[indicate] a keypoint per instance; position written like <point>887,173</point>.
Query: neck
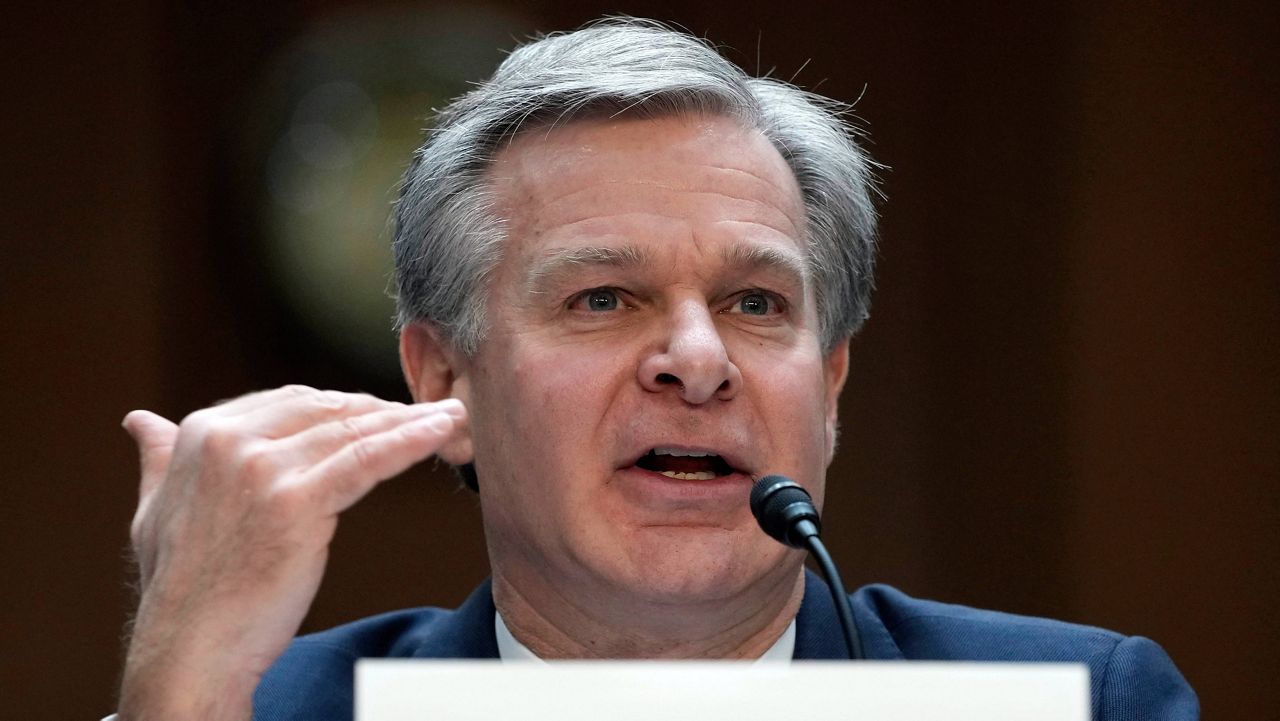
<point>556,625</point>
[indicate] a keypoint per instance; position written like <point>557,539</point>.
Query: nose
<point>692,359</point>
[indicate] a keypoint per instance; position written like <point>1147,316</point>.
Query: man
<point>628,274</point>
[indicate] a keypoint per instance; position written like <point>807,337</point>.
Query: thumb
<point>155,437</point>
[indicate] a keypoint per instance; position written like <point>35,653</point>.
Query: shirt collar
<point>509,649</point>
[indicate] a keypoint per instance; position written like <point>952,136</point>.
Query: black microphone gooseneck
<point>785,511</point>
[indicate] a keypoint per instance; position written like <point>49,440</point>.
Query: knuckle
<point>316,398</point>
<point>218,437</point>
<point>352,429</point>
<point>362,453</point>
<point>257,465</point>
<point>288,504</point>
<point>197,420</point>
<point>329,400</point>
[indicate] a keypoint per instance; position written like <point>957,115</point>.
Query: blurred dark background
<point>1067,401</point>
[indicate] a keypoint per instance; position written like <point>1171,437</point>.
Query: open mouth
<point>684,465</point>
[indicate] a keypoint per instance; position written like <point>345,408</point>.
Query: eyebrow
<point>753,258</point>
<point>557,264</point>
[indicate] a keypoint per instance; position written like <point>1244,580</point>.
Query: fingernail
<point>453,407</point>
<point>449,406</point>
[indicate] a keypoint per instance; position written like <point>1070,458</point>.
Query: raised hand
<point>237,507</point>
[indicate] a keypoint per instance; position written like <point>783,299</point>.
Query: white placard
<point>428,690</point>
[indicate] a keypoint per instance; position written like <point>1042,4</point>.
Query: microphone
<point>786,512</point>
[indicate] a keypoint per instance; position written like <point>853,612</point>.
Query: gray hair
<point>448,240</point>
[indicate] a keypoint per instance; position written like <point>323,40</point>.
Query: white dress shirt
<point>509,649</point>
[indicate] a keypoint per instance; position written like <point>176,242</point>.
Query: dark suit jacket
<point>1132,677</point>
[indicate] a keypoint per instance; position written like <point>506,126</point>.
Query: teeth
<point>678,452</point>
<point>695,476</point>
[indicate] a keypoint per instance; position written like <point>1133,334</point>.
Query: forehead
<point>600,176</point>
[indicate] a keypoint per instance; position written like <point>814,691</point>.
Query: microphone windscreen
<point>778,503</point>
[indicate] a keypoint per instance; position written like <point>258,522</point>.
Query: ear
<point>835,371</point>
<point>434,370</point>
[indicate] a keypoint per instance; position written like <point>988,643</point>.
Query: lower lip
<point>650,487</point>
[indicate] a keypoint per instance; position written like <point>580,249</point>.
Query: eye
<point>756,303</point>
<point>596,300</point>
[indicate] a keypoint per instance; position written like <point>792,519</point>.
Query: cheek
<point>563,386</point>
<point>790,397</point>
<point>544,408</point>
<point>790,385</point>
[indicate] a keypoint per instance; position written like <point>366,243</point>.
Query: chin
<point>678,565</point>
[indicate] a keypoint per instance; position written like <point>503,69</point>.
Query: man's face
<point>653,346</point>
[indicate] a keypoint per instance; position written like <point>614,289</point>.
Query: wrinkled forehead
<point>545,165</point>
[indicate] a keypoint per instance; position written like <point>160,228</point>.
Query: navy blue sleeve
<point>312,681</point>
<point>1141,683</point>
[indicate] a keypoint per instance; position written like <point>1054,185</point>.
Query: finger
<point>155,437</point>
<point>249,402</point>
<point>257,399</point>
<point>313,444</point>
<point>292,411</point>
<point>355,468</point>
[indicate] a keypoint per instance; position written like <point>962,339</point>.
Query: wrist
<point>164,685</point>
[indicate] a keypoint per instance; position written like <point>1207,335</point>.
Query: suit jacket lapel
<point>466,633</point>
<point>818,634</point>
